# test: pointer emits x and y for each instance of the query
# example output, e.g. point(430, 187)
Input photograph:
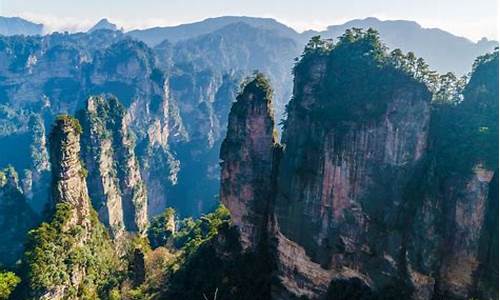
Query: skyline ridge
point(86, 26)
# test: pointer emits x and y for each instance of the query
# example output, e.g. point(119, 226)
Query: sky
point(473, 19)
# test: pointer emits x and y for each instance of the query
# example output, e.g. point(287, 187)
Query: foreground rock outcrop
point(70, 256)
point(374, 195)
point(465, 194)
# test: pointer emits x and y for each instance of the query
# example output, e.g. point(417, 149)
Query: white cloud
point(53, 23)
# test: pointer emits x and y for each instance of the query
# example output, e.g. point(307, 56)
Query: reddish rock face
point(360, 207)
point(462, 258)
point(247, 160)
point(340, 191)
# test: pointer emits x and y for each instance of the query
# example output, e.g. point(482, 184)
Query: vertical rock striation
point(344, 172)
point(465, 163)
point(374, 195)
point(204, 98)
point(70, 256)
point(247, 161)
point(115, 183)
point(69, 185)
point(37, 179)
point(128, 70)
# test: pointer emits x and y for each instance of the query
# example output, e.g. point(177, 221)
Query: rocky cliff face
point(468, 200)
point(70, 256)
point(128, 70)
point(116, 188)
point(178, 114)
point(69, 184)
point(16, 218)
point(376, 196)
point(341, 184)
point(37, 179)
point(247, 161)
point(458, 211)
point(57, 73)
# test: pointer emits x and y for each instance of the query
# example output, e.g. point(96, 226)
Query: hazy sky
point(470, 18)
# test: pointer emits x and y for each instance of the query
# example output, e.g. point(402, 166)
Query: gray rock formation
point(70, 256)
point(116, 187)
point(69, 185)
point(16, 218)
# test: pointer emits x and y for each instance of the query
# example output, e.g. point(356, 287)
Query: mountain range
point(444, 51)
point(235, 158)
point(190, 71)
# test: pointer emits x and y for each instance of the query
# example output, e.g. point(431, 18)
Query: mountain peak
point(104, 24)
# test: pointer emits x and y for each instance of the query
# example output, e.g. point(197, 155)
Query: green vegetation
point(212, 265)
point(160, 230)
point(465, 127)
point(203, 258)
point(193, 233)
point(8, 281)
point(176, 254)
point(75, 124)
point(360, 78)
point(257, 85)
point(55, 252)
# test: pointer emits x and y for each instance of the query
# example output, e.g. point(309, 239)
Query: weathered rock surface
point(116, 188)
point(177, 98)
point(369, 200)
point(69, 187)
point(57, 73)
point(467, 215)
point(36, 180)
point(204, 99)
point(458, 220)
point(247, 161)
point(68, 173)
point(340, 193)
point(70, 256)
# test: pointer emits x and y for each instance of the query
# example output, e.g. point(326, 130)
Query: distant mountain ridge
point(156, 35)
point(441, 50)
point(444, 51)
point(19, 26)
point(103, 24)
